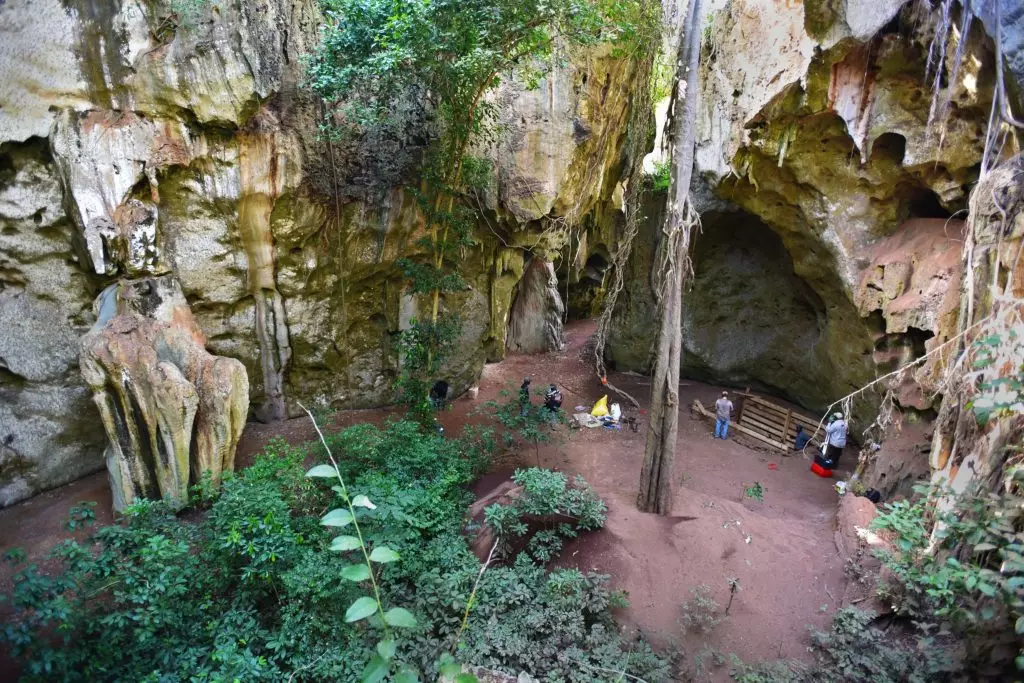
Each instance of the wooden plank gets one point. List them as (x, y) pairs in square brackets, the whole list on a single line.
[(699, 407), (789, 419), (766, 414), (768, 422), (805, 420), (770, 407), (767, 428)]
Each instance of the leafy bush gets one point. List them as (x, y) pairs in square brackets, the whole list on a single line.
[(856, 652), (971, 580), (700, 612), (547, 497), (754, 492), (249, 589), (661, 178)]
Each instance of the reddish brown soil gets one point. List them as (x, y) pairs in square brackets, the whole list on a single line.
[(782, 550)]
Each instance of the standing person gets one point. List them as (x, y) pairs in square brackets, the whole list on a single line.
[(553, 400), (524, 396), (723, 411), (438, 394), (836, 438)]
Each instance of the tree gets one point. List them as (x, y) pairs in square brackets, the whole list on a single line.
[(530, 422), (672, 264), (428, 64)]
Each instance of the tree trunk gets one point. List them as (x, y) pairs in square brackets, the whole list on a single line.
[(659, 456)]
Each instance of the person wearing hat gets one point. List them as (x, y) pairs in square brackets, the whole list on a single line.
[(835, 437), (723, 411)]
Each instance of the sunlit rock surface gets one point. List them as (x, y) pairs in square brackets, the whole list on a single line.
[(133, 145)]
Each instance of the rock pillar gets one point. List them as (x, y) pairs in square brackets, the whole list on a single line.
[(535, 321), (170, 409)]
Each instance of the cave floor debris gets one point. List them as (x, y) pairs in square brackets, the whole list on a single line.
[(782, 550)]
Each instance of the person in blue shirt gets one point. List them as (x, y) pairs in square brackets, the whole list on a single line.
[(802, 438)]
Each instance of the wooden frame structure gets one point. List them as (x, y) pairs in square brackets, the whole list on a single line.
[(772, 421), (768, 422)]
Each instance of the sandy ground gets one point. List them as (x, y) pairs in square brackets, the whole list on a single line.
[(781, 550)]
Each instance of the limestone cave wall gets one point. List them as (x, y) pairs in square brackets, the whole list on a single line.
[(135, 144), (826, 188)]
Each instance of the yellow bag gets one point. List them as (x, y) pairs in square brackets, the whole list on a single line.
[(600, 408)]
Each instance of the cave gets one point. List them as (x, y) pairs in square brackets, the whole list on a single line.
[(749, 320), (585, 293)]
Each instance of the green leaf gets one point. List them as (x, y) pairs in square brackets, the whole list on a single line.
[(1020, 626), (356, 572), (323, 471), (466, 678), (337, 517), (360, 609), (982, 547), (363, 501), (383, 554), (406, 676), (450, 669), (375, 671), (341, 543), (400, 618), (386, 648), (986, 589)]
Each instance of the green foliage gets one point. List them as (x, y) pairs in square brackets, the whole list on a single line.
[(424, 348), (700, 612), (764, 672), (854, 651), (81, 516), (661, 179), (271, 581), (547, 497), (528, 422), (755, 491), (971, 581), (998, 369)]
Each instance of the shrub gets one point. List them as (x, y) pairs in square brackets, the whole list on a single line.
[(855, 651), (970, 580), (249, 589), (547, 497), (700, 612)]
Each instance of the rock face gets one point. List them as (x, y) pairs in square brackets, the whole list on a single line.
[(48, 428), (171, 410), (825, 188), (137, 143), (535, 321)]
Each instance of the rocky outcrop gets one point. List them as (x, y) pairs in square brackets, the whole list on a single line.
[(814, 160), (172, 411), (186, 146), (535, 322), (48, 428)]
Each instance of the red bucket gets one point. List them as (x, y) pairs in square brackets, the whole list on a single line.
[(820, 471)]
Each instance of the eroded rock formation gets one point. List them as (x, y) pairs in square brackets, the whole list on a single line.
[(535, 322), (814, 160), (170, 409), (134, 145)]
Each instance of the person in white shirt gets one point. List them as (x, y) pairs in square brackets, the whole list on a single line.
[(835, 437)]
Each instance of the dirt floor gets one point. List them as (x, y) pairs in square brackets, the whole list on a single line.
[(781, 550)]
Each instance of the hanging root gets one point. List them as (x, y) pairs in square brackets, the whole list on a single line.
[(636, 149)]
